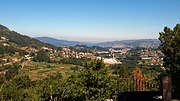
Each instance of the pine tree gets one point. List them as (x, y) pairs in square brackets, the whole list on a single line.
[(170, 46)]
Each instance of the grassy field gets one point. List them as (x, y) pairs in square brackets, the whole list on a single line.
[(42, 70)]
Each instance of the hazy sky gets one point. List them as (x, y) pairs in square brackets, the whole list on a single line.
[(90, 20)]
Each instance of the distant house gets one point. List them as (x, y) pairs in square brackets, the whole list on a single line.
[(29, 49), (145, 58), (111, 61), (5, 44), (4, 38), (109, 99), (17, 53), (3, 72), (4, 59), (28, 56), (46, 48), (14, 59)]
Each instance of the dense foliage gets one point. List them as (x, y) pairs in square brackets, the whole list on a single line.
[(42, 56), (8, 72), (92, 83), (170, 46)]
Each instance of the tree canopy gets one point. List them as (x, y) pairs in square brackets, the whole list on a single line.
[(42, 56), (170, 46)]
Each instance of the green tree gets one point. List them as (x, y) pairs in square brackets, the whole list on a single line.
[(123, 71), (42, 56), (95, 64), (2, 78), (17, 89), (170, 46), (92, 83), (12, 71), (50, 89)]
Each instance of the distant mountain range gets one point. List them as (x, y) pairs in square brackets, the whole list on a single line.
[(58, 42), (127, 43), (132, 43), (23, 40)]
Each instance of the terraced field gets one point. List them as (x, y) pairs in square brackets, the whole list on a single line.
[(42, 70)]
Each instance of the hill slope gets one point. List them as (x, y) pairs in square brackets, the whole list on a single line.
[(21, 40)]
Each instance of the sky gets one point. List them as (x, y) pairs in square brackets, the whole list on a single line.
[(90, 20)]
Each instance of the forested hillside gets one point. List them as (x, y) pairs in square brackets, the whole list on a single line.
[(19, 39)]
